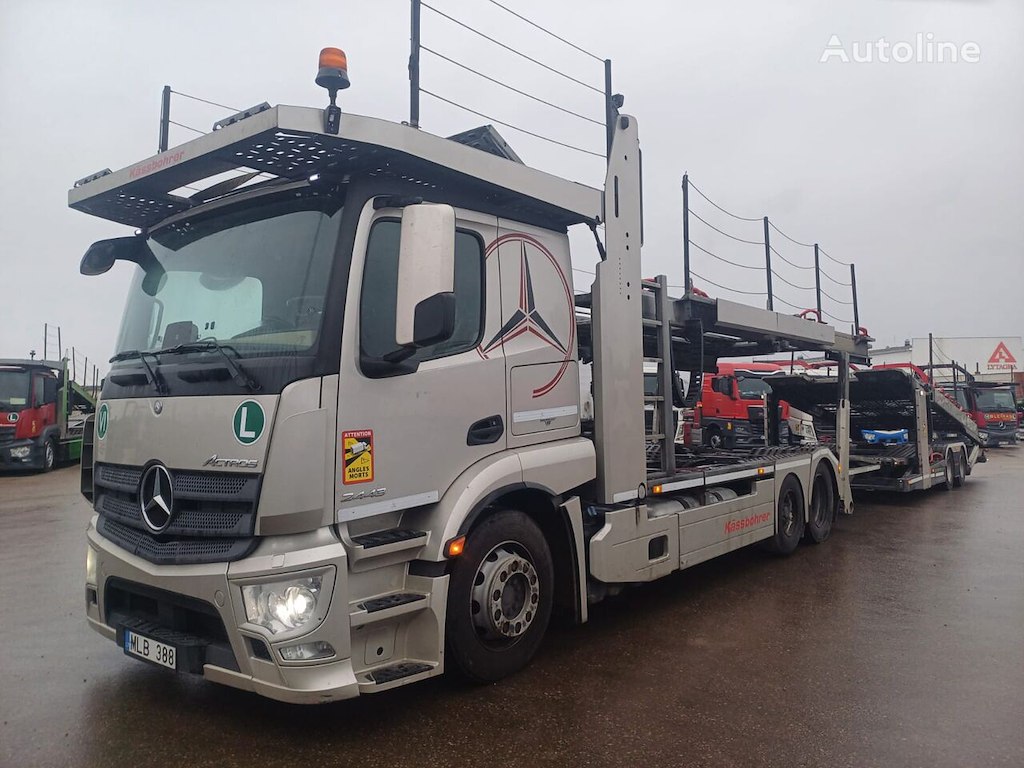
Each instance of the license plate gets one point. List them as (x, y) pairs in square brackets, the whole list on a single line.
[(149, 649)]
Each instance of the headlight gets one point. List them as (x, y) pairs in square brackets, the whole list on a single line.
[(983, 435), (90, 566), (282, 605), (21, 452)]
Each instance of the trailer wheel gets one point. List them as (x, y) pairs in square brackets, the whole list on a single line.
[(499, 597), (949, 477), (824, 505), (960, 472), (49, 455), (789, 523)]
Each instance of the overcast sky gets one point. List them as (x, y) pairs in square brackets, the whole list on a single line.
[(911, 170)]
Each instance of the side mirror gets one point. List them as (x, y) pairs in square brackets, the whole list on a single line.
[(425, 309), (102, 254)]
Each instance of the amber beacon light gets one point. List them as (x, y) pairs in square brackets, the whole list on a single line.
[(332, 75)]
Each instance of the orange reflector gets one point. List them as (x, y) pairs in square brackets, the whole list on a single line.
[(760, 470), (333, 57), (656, 489), (455, 547)]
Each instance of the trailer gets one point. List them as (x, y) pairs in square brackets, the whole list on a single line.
[(905, 434), (42, 414)]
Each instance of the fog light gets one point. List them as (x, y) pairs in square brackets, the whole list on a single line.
[(307, 651), (90, 566), (284, 605), (21, 452)]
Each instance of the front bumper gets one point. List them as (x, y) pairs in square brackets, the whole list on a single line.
[(206, 601), (32, 459), (996, 434)]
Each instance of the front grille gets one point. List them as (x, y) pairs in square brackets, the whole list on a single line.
[(118, 477), (174, 551), (214, 517)]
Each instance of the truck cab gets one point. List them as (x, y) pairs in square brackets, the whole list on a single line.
[(991, 406), (731, 408)]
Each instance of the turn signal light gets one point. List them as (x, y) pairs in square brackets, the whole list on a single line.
[(455, 547)]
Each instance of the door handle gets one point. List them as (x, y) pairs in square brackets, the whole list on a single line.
[(485, 431)]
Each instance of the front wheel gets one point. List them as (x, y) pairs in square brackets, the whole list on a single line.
[(49, 455), (499, 597)]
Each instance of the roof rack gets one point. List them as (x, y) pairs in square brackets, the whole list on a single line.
[(289, 143)]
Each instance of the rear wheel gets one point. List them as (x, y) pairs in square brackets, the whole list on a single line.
[(824, 505), (950, 472), (499, 597), (960, 471), (789, 523)]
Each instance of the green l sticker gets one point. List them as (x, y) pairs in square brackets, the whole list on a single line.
[(248, 422), (102, 419)]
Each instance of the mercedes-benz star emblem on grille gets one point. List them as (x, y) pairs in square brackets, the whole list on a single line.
[(156, 497)]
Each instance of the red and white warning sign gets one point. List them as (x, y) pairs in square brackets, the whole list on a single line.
[(1001, 359)]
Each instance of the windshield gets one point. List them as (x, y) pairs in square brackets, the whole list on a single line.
[(996, 400), (253, 276), (14, 389), (752, 387)]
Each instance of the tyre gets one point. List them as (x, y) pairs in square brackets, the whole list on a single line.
[(960, 472), (950, 472), (824, 505), (714, 438), (789, 522), (49, 455), (499, 597)]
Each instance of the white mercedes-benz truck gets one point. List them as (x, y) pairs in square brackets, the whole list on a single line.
[(340, 448)]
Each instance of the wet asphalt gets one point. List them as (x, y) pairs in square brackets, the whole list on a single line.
[(899, 642)]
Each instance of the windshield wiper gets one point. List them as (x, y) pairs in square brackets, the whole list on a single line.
[(154, 377), (240, 376)]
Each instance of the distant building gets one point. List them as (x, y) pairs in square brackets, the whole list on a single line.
[(989, 358)]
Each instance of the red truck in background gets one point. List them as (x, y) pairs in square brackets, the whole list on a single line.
[(993, 408), (730, 412), (42, 412)]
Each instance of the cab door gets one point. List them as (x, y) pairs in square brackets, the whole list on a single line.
[(407, 430)]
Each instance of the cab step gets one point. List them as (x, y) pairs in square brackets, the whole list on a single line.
[(392, 672), (386, 538), (380, 548), (386, 607), (391, 601)]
